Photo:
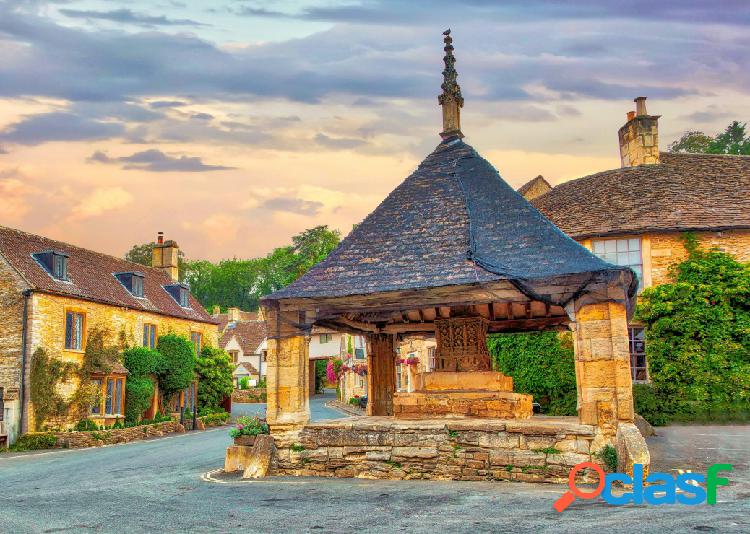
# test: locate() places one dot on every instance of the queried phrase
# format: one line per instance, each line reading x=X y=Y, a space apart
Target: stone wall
x=251 y=395
x=11 y=333
x=541 y=450
x=74 y=440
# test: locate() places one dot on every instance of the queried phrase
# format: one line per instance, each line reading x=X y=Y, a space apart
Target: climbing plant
x=178 y=369
x=214 y=369
x=142 y=363
x=46 y=375
x=698 y=340
x=541 y=364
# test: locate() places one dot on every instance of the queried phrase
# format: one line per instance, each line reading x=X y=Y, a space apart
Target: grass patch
x=453 y=434
x=296 y=447
x=548 y=450
x=33 y=442
x=609 y=456
x=393 y=464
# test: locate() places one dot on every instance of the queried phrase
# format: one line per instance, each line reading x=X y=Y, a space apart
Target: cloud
x=202 y=116
x=13 y=190
x=338 y=143
x=59 y=126
x=128 y=16
x=158 y=104
x=3 y=151
x=155 y=160
x=708 y=115
x=101 y=201
x=299 y=206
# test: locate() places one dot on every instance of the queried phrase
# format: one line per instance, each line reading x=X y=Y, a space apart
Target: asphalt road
x=170 y=485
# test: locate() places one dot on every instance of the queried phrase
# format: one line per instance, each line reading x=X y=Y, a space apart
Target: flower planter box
x=247 y=441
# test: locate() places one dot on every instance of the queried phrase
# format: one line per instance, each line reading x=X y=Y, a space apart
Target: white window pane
x=598 y=247
x=622 y=245
x=634 y=244
x=634 y=258
x=622 y=258
x=610 y=246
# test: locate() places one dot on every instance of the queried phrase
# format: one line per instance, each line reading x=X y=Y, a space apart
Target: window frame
x=194 y=334
x=611 y=256
x=634 y=354
x=75 y=312
x=153 y=330
x=235 y=355
x=325 y=338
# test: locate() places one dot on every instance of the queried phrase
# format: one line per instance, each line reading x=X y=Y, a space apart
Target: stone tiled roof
x=534 y=187
x=249 y=334
x=683 y=192
x=453 y=221
x=248 y=367
x=223 y=318
x=91 y=276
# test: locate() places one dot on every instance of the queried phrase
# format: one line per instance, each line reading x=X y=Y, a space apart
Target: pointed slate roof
x=454 y=221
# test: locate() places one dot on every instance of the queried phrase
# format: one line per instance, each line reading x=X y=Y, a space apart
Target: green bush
x=85 y=425
x=245 y=382
x=139 y=394
x=261 y=382
x=34 y=442
x=215 y=418
x=214 y=369
x=142 y=361
x=609 y=456
x=541 y=364
x=178 y=369
x=698 y=340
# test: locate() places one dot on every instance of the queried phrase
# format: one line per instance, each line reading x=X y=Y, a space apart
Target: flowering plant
x=359 y=369
x=249 y=426
x=411 y=360
x=333 y=369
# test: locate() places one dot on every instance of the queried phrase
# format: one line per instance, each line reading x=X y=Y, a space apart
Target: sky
x=232 y=125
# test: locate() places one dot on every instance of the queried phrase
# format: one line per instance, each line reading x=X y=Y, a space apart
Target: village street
x=170 y=485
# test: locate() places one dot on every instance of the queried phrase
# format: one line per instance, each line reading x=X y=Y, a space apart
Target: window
x=235 y=354
x=431 y=358
x=132 y=281
x=359 y=353
x=74 y=325
x=638 y=365
x=625 y=252
x=197 y=339
x=114 y=398
x=149 y=335
x=96 y=407
x=265 y=354
x=398 y=377
x=325 y=338
x=54 y=262
x=180 y=293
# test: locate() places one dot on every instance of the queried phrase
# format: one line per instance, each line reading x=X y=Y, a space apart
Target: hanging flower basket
x=412 y=360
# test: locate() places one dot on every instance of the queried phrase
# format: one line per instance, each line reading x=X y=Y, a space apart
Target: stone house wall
x=47 y=325
x=11 y=335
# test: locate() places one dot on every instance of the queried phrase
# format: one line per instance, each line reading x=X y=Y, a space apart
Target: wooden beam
x=524 y=325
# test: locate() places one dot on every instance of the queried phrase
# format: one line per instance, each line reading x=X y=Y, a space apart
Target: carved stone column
x=381 y=369
x=602 y=363
x=461 y=344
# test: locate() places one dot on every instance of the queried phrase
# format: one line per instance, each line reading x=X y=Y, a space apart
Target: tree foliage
x=142 y=363
x=733 y=140
x=214 y=369
x=242 y=283
x=142 y=254
x=541 y=364
x=698 y=338
x=178 y=369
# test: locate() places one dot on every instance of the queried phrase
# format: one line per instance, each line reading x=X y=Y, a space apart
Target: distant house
x=535 y=187
x=420 y=348
x=243 y=336
x=636 y=215
x=53 y=294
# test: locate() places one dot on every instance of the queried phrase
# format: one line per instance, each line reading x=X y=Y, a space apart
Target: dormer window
x=180 y=293
x=132 y=281
x=54 y=262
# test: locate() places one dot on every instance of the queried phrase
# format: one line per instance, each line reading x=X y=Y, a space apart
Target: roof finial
x=451 y=99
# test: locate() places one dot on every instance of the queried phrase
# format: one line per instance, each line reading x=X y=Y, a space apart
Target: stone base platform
x=540 y=449
x=491 y=404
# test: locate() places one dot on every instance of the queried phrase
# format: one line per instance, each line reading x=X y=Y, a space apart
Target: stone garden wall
x=94 y=438
x=528 y=451
x=249 y=395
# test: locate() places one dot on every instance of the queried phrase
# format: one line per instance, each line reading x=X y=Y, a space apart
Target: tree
x=142 y=363
x=178 y=368
x=214 y=369
x=242 y=283
x=141 y=254
x=733 y=140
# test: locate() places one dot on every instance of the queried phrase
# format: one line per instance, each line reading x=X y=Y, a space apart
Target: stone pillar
x=381 y=379
x=602 y=364
x=287 y=373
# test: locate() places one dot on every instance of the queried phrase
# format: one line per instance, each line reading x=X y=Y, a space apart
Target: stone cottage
x=243 y=336
x=636 y=215
x=53 y=294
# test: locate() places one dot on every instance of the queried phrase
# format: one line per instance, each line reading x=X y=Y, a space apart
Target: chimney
x=164 y=256
x=639 y=137
x=233 y=314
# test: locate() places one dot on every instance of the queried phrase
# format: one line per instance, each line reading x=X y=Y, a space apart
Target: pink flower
x=240 y=427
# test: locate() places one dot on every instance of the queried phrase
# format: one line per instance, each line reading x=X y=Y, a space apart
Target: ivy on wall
x=214 y=369
x=46 y=375
x=178 y=369
x=541 y=364
x=142 y=363
x=698 y=340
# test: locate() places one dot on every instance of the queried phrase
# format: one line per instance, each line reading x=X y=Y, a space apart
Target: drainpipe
x=24 y=349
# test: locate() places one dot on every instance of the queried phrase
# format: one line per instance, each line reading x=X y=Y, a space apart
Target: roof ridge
x=92 y=251
x=704 y=154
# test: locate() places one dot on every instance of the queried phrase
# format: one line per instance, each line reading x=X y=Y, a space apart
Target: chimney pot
x=640 y=106
x=160 y=238
x=631 y=115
